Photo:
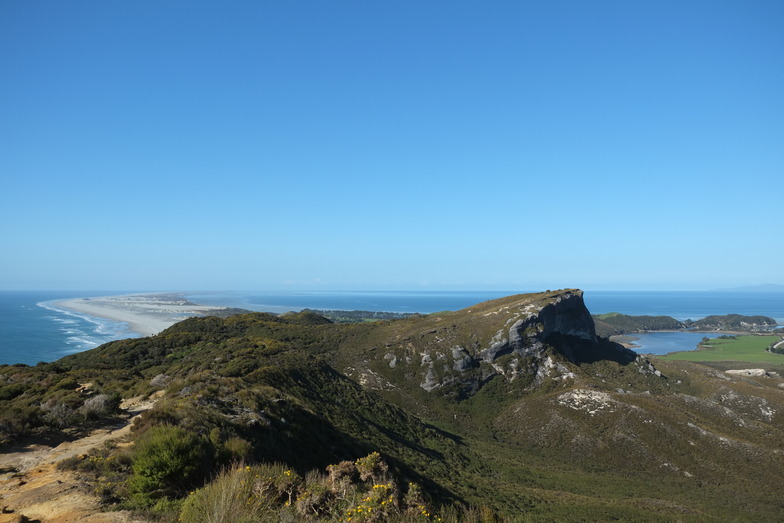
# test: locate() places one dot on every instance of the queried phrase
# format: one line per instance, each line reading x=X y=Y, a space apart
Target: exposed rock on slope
x=564 y=315
x=540 y=336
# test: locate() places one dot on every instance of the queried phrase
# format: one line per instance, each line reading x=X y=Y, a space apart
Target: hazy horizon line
x=512 y=289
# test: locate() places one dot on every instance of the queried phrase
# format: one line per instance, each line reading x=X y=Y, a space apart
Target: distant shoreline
x=149 y=313
x=626 y=340
x=146 y=314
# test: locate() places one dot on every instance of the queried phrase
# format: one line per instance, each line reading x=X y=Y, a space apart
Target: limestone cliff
x=564 y=314
x=531 y=335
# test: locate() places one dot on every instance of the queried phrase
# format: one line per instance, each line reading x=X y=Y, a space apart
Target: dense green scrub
x=539 y=437
x=615 y=323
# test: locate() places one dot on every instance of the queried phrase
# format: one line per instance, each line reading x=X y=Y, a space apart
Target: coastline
x=627 y=340
x=146 y=314
x=648 y=342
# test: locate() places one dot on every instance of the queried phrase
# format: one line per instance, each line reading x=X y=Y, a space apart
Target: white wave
x=82 y=343
x=92 y=331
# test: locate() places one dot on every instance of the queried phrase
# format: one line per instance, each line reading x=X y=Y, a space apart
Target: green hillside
x=613 y=323
x=616 y=323
x=509 y=410
x=745 y=349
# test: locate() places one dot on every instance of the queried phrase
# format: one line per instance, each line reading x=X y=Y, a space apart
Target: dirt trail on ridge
x=32 y=489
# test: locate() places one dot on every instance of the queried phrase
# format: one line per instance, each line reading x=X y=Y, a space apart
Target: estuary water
x=667 y=342
x=32 y=329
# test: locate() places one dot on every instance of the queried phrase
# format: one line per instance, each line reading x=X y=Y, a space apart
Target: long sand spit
x=146 y=314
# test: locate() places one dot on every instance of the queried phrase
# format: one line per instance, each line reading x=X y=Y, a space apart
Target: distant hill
x=339 y=316
x=512 y=408
x=731 y=322
x=613 y=323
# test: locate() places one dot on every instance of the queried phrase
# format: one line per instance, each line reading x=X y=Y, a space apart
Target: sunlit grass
x=750 y=349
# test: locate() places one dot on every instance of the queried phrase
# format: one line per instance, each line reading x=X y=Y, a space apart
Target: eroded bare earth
x=32 y=489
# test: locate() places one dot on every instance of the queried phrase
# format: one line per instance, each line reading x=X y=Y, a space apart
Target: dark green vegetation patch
x=613 y=323
x=512 y=408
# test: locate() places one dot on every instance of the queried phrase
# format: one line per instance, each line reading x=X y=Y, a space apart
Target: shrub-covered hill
x=733 y=322
x=514 y=405
x=615 y=323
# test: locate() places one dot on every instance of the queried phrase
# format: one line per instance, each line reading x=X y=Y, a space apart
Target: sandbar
x=626 y=340
x=146 y=314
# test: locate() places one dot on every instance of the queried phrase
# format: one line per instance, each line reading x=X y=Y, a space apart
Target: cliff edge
x=529 y=336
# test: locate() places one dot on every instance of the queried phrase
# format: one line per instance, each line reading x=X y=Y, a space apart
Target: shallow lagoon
x=666 y=342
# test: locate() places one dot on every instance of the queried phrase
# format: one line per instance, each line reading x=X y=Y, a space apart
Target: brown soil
x=32 y=489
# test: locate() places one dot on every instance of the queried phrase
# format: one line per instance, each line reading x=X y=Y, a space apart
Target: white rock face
x=529 y=328
x=748 y=372
x=462 y=360
x=430 y=382
x=590 y=401
x=392 y=359
x=551 y=368
x=517 y=344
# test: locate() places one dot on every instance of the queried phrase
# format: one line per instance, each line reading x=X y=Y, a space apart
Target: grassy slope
x=682 y=453
x=746 y=349
x=548 y=461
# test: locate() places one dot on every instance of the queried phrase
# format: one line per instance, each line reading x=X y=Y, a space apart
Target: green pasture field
x=747 y=349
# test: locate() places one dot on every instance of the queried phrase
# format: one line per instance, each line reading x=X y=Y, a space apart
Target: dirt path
x=32 y=489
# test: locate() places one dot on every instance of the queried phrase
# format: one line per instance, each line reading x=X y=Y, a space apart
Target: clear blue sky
x=407 y=144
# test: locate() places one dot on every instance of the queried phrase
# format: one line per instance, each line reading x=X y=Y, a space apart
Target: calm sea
x=32 y=329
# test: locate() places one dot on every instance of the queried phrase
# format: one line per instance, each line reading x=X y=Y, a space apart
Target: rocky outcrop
x=754 y=373
x=529 y=336
x=565 y=316
x=534 y=335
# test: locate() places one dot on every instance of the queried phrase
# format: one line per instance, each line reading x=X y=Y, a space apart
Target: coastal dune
x=146 y=314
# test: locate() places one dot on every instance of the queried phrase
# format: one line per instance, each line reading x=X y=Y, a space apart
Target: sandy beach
x=147 y=314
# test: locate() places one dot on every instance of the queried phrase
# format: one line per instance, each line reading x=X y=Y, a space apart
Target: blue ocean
x=680 y=305
x=33 y=329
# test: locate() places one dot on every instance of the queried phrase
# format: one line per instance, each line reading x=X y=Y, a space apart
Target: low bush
x=271 y=492
x=17 y=420
x=241 y=494
x=11 y=391
x=58 y=414
x=101 y=405
x=167 y=462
